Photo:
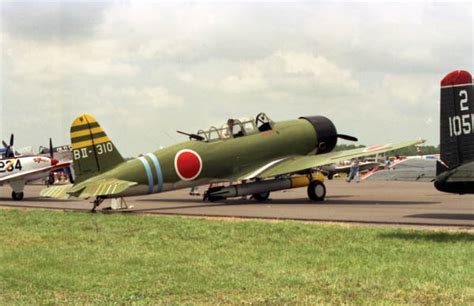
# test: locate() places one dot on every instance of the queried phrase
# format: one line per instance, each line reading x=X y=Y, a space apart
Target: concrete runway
x=371 y=202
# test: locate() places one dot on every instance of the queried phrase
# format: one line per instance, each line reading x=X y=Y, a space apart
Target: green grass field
x=79 y=258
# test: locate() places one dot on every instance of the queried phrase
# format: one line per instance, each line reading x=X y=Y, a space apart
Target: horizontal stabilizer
x=105 y=188
x=58 y=192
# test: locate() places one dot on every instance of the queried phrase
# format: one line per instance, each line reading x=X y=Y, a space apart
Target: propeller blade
x=11 y=139
x=51 y=153
x=347 y=137
x=5 y=144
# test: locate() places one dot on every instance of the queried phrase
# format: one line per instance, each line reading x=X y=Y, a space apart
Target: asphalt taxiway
x=371 y=202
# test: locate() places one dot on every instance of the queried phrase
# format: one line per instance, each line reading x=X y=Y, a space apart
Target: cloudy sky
x=146 y=69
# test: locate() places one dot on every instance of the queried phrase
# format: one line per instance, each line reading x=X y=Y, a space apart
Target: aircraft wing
x=24 y=175
x=300 y=163
x=87 y=189
x=250 y=172
x=362 y=166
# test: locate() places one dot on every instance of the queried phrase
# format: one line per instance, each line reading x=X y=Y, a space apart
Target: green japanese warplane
x=260 y=154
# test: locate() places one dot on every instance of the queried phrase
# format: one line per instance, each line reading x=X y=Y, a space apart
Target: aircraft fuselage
x=195 y=162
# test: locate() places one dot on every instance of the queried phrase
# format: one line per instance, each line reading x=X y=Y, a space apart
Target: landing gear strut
x=17 y=196
x=316 y=191
x=96 y=203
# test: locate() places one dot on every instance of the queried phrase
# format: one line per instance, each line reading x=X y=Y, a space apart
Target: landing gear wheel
x=17 y=196
x=261 y=197
x=316 y=191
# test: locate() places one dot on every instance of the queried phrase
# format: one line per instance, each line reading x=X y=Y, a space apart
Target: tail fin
x=457 y=119
x=93 y=151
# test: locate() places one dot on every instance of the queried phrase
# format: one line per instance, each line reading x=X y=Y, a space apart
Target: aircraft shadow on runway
x=302 y=201
x=37 y=199
x=160 y=209
x=444 y=216
x=430 y=236
x=72 y=208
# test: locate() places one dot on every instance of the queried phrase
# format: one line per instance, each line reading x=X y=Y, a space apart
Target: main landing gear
x=17 y=190
x=316 y=191
x=17 y=196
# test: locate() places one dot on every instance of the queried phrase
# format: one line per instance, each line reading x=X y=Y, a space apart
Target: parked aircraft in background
x=455 y=172
x=411 y=168
x=17 y=170
x=330 y=171
x=262 y=154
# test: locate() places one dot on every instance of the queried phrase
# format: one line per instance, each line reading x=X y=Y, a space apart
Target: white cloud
x=298 y=73
x=150 y=97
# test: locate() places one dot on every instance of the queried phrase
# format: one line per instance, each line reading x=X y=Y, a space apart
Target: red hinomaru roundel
x=188 y=164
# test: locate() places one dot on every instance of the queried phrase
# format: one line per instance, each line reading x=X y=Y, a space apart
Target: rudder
x=92 y=150
x=457 y=119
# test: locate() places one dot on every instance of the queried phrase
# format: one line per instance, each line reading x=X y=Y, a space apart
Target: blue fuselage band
x=159 y=174
x=148 y=173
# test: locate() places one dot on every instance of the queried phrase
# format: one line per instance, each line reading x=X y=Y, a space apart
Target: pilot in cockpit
x=228 y=129
x=230 y=125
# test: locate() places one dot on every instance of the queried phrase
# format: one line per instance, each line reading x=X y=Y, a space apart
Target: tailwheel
x=96 y=203
x=261 y=197
x=17 y=196
x=316 y=191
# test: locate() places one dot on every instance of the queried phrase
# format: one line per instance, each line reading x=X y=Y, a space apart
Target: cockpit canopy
x=235 y=128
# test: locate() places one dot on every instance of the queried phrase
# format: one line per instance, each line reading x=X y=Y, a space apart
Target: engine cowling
x=326 y=133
